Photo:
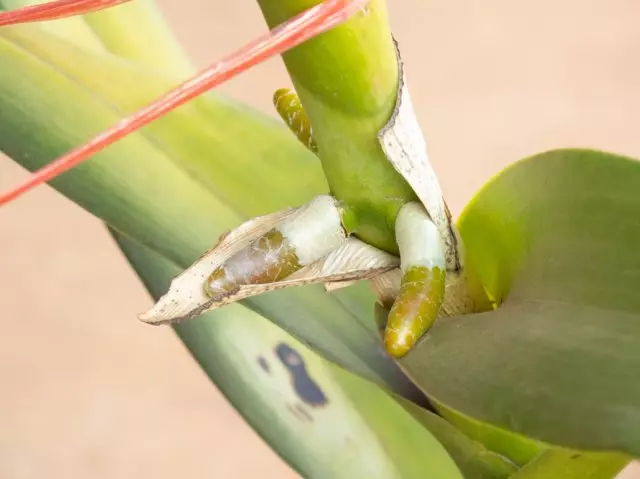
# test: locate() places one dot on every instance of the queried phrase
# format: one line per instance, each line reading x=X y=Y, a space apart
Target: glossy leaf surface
x=556 y=237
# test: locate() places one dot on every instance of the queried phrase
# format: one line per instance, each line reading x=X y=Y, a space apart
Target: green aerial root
x=291 y=111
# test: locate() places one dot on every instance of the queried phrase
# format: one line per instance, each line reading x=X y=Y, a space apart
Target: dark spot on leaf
x=263 y=364
x=305 y=387
x=576 y=456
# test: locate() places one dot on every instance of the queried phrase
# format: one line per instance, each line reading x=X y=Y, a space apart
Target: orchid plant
x=352 y=322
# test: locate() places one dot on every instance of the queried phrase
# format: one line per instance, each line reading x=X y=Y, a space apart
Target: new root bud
x=291 y=111
x=423 y=280
x=311 y=233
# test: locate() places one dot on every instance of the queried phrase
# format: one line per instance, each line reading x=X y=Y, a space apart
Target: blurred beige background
x=88 y=391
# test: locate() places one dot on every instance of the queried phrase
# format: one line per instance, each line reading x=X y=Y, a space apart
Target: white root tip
x=315 y=230
x=419 y=240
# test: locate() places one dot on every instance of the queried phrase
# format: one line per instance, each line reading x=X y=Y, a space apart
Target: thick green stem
x=347 y=80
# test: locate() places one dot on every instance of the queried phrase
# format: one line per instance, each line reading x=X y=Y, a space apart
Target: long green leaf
x=556 y=236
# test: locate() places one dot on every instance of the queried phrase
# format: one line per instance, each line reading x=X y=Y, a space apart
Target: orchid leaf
x=554 y=238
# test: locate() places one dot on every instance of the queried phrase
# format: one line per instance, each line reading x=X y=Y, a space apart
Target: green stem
x=347 y=80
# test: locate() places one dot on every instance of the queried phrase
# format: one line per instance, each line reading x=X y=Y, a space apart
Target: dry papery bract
x=186 y=298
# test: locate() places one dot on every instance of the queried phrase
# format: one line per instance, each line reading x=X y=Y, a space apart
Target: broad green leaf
x=556 y=237
x=145 y=191
x=323 y=421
